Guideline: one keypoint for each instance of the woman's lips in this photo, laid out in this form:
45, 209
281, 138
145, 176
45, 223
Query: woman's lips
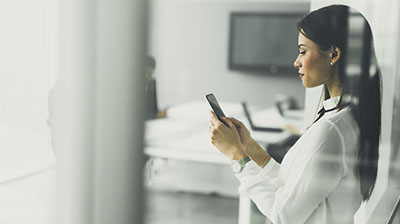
301, 75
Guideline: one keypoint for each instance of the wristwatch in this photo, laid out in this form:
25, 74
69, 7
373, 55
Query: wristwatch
238, 165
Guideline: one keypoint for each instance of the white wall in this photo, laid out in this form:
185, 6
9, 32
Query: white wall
189, 40
27, 70
25, 80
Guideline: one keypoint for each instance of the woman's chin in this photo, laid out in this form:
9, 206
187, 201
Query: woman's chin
305, 84
308, 85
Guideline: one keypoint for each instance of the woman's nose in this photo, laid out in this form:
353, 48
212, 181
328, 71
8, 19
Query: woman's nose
296, 63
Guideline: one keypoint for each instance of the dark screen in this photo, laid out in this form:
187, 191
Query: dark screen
214, 105
263, 41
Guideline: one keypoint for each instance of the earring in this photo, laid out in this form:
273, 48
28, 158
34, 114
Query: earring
331, 63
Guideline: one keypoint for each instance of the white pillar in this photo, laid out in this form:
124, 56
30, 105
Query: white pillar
72, 110
119, 111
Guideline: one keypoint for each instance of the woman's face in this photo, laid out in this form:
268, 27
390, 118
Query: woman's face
312, 63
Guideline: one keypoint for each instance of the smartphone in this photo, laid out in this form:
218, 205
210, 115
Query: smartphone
215, 105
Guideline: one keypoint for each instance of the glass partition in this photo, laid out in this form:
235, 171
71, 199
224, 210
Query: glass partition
187, 179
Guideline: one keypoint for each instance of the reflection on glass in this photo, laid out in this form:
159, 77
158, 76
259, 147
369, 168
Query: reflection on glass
361, 93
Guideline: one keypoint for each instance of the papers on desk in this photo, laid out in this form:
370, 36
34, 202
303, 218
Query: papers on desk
181, 139
167, 129
270, 117
184, 133
199, 110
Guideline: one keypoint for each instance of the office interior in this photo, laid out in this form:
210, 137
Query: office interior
82, 143
194, 57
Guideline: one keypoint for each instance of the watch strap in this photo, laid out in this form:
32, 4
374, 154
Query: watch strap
240, 164
243, 161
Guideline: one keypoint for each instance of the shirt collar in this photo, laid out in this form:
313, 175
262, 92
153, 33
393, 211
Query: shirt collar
331, 103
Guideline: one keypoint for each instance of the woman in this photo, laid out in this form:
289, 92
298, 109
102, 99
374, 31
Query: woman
333, 166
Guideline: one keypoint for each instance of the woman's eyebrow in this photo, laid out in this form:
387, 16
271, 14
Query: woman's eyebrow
301, 45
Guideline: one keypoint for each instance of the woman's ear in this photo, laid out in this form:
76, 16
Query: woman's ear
335, 54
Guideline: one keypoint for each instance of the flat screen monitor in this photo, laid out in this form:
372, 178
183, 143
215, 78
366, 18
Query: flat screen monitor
263, 42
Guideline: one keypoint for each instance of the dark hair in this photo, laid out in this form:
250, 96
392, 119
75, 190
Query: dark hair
329, 26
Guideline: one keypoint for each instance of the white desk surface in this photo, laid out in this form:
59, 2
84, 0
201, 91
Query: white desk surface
184, 133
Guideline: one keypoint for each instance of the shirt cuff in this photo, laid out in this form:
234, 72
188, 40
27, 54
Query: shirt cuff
271, 170
249, 171
252, 174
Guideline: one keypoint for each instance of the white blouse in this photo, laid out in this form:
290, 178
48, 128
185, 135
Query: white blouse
316, 181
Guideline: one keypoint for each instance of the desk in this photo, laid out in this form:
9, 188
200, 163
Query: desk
183, 135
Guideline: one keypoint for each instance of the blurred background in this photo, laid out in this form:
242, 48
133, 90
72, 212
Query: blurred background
103, 117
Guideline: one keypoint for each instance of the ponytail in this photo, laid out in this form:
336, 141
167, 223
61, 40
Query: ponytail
368, 117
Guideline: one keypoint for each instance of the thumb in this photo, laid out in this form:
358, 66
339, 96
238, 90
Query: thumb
237, 123
228, 122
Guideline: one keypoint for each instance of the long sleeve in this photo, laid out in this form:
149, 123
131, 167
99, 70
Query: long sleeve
292, 195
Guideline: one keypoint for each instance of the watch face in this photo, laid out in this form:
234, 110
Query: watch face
236, 167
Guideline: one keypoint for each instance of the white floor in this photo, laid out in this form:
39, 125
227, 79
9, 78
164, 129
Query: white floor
168, 207
182, 192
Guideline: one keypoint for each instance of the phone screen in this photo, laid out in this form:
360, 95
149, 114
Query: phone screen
214, 105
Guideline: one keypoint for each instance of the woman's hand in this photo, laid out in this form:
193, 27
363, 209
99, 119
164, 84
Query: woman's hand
225, 136
251, 147
244, 133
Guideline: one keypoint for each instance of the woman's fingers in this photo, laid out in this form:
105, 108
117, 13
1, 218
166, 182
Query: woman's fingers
214, 120
228, 122
215, 124
236, 122
225, 137
243, 131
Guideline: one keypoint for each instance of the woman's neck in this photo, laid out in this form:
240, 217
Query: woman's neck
334, 91
335, 86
